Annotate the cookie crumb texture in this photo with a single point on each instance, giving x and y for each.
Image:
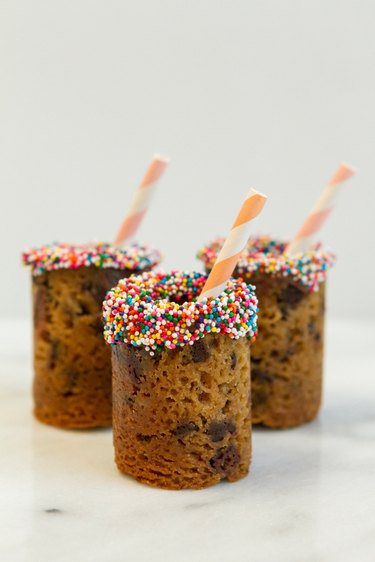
(182, 418)
(287, 357)
(72, 383)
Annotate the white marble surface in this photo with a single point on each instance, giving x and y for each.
(310, 496)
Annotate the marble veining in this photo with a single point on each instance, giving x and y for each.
(310, 496)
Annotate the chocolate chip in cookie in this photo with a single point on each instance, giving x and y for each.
(225, 460)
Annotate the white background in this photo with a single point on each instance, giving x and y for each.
(239, 93)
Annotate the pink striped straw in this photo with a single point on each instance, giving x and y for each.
(320, 212)
(233, 246)
(141, 200)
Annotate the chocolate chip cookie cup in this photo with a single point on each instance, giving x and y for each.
(287, 357)
(181, 385)
(72, 365)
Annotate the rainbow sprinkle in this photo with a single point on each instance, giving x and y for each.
(70, 256)
(158, 310)
(266, 255)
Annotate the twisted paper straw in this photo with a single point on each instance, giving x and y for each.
(233, 246)
(141, 200)
(320, 212)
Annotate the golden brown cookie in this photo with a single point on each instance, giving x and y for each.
(181, 384)
(72, 365)
(287, 357)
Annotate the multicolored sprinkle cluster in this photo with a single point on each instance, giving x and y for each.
(69, 256)
(158, 310)
(265, 255)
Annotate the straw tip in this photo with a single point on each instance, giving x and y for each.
(256, 192)
(348, 168)
(344, 172)
(161, 158)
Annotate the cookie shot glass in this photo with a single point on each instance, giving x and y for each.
(287, 357)
(181, 385)
(72, 365)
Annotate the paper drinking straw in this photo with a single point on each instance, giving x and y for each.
(233, 246)
(141, 200)
(320, 212)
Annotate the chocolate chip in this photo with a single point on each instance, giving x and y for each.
(53, 354)
(199, 352)
(256, 359)
(132, 363)
(185, 429)
(218, 429)
(97, 326)
(282, 355)
(231, 426)
(288, 353)
(144, 438)
(291, 295)
(95, 289)
(261, 376)
(71, 377)
(68, 316)
(233, 360)
(311, 327)
(284, 312)
(83, 309)
(133, 367)
(225, 460)
(214, 342)
(92, 289)
(73, 308)
(258, 398)
(312, 330)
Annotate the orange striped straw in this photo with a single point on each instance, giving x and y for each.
(320, 212)
(141, 200)
(233, 246)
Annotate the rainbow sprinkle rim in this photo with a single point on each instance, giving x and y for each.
(266, 255)
(73, 256)
(139, 311)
